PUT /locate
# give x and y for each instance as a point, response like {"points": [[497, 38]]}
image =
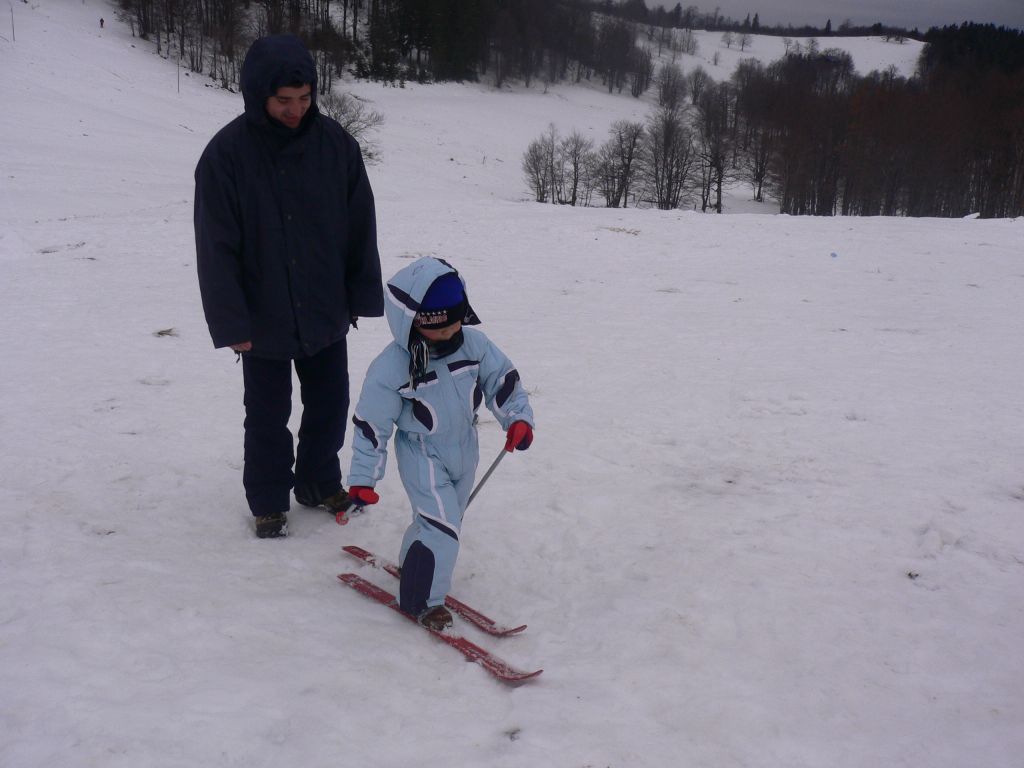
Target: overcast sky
{"points": [[902, 13]]}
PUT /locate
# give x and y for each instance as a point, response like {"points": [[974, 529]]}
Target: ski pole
{"points": [[487, 474], [342, 517]]}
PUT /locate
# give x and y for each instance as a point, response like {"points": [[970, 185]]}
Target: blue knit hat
{"points": [[444, 292], [444, 303]]}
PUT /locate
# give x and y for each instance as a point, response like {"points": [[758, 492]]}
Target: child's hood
{"points": [[407, 289]]}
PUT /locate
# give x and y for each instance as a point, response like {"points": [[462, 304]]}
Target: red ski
{"points": [[473, 652], [473, 616]]}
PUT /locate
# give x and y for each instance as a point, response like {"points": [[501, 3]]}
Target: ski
{"points": [[502, 670], [473, 616]]}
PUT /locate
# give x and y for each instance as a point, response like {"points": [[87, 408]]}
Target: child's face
{"points": [[441, 334]]}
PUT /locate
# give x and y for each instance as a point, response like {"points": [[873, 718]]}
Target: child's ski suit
{"points": [[436, 443]]}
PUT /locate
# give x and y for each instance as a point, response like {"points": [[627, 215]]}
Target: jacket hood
{"points": [[272, 62], [405, 292]]}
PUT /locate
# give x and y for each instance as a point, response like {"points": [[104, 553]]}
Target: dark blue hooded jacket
{"points": [[286, 234]]}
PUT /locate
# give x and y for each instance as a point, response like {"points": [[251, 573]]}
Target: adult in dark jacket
{"points": [[286, 242]]}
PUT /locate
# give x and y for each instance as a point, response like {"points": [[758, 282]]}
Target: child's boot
{"points": [[436, 618], [337, 502]]}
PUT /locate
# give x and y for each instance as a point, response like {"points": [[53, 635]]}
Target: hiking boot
{"points": [[272, 526], [338, 502], [436, 618]]}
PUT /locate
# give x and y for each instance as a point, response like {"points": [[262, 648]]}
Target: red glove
{"points": [[362, 495], [519, 436]]}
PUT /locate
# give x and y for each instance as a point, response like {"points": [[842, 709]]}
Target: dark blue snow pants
{"points": [[269, 456]]}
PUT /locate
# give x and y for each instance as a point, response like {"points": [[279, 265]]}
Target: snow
{"points": [[868, 53], [773, 516]]}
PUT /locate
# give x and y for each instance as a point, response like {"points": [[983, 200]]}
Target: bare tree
{"points": [[687, 43], [713, 142], [643, 71], [615, 45], [669, 153], [755, 100], [356, 118], [697, 80], [575, 152], [537, 167], [272, 17], [619, 162], [671, 86], [555, 172]]}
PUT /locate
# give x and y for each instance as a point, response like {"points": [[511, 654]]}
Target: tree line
{"points": [[692, 17], [402, 40], [809, 132], [438, 40], [805, 130]]}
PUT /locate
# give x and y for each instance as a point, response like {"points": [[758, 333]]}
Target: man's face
{"points": [[289, 104]]}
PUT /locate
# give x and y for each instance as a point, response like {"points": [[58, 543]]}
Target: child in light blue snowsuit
{"points": [[429, 384]]}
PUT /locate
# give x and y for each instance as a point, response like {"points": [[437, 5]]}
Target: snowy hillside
{"points": [[773, 516], [868, 53]]}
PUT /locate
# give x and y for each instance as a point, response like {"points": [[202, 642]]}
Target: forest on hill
{"points": [[805, 130]]}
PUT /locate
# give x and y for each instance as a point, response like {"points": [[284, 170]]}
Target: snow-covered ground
{"points": [[773, 516], [868, 53]]}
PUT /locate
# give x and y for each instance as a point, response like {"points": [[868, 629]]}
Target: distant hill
{"points": [[869, 54]]}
